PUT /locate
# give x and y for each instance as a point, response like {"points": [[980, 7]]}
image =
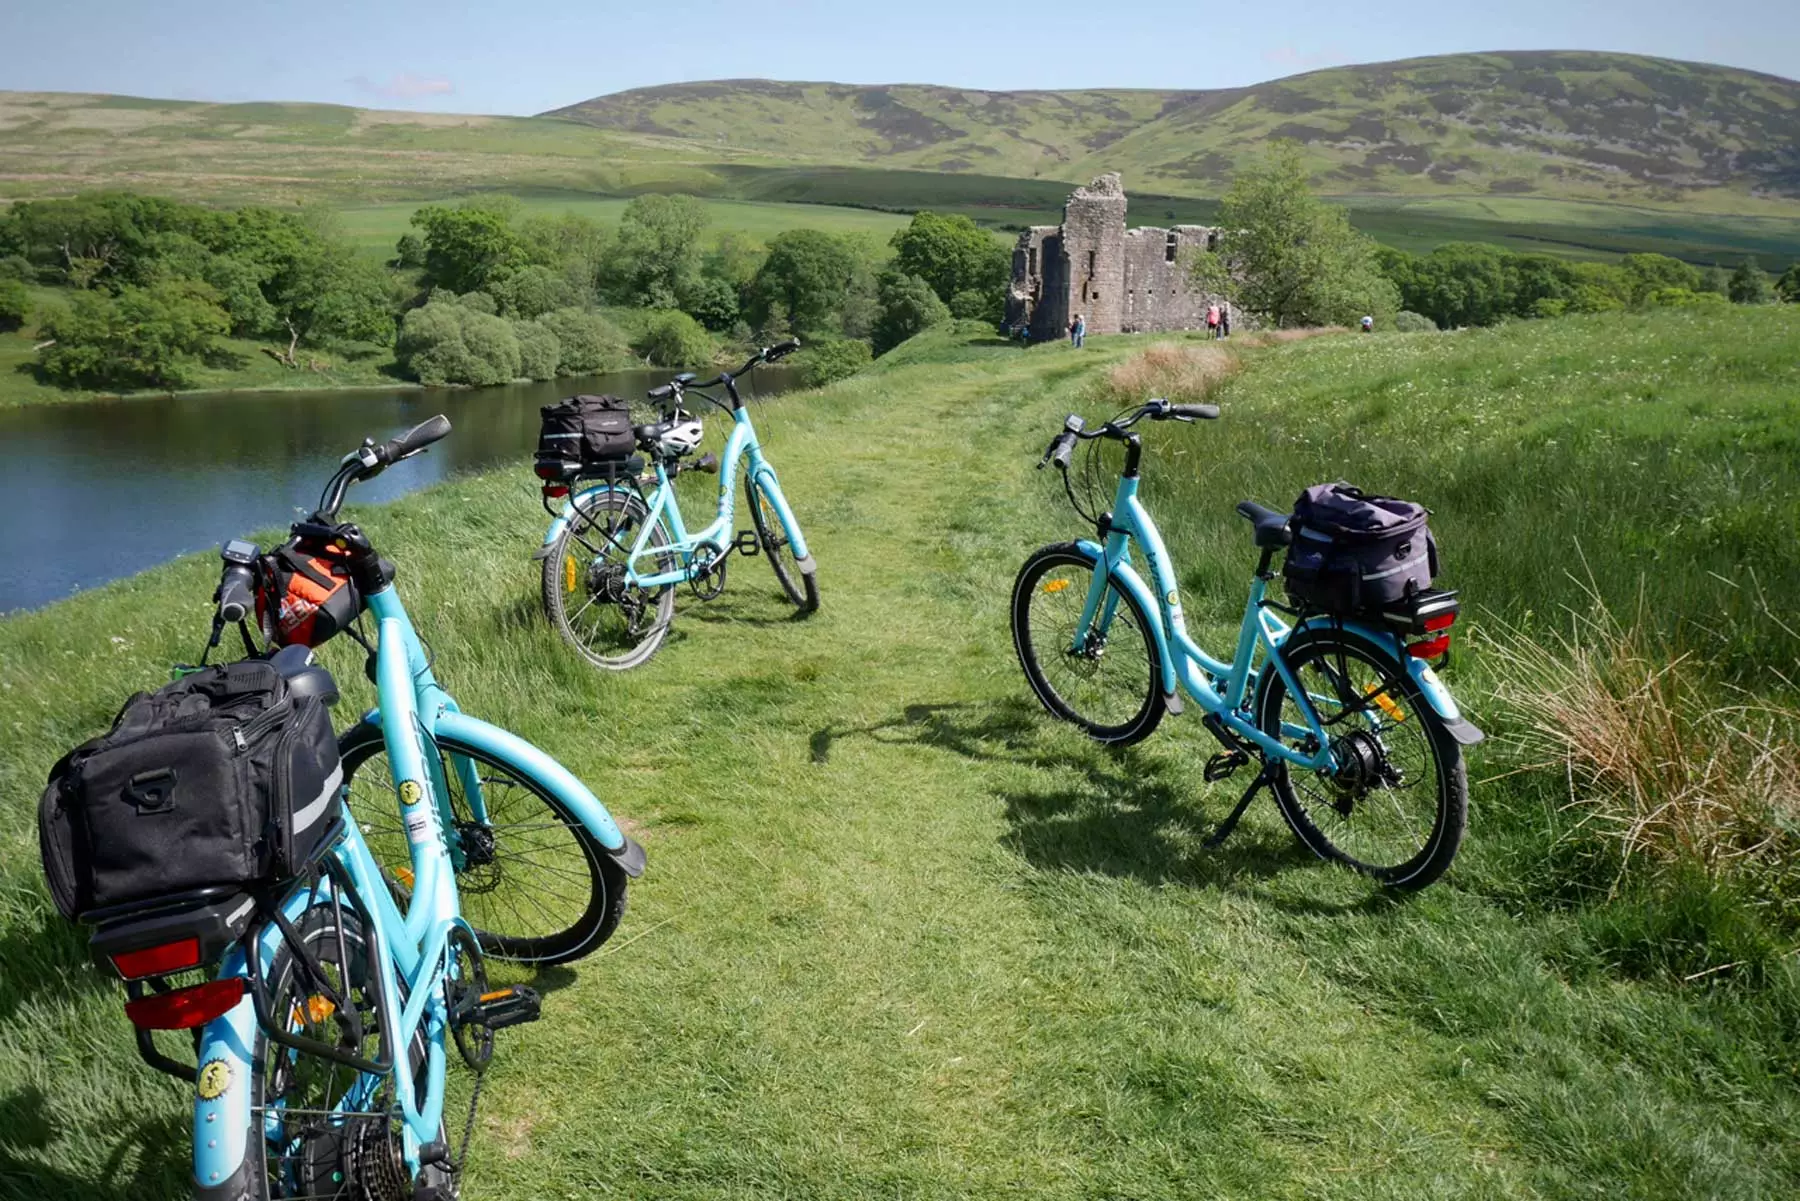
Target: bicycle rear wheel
{"points": [[612, 622], [535, 884], [1108, 682], [1396, 804], [801, 586], [319, 1128]]}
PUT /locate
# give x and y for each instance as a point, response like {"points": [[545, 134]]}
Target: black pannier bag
{"points": [[224, 778], [1355, 553], [584, 435]]}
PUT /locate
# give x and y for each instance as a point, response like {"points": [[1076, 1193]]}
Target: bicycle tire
{"points": [[602, 522], [1076, 569], [779, 551], [487, 889], [1320, 814]]}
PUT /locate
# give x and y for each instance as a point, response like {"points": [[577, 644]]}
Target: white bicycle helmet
{"points": [[681, 438]]}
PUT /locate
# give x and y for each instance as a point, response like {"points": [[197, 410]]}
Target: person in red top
{"points": [[1212, 319]]}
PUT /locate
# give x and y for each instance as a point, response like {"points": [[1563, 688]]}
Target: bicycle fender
{"points": [[225, 1064], [529, 761], [562, 519], [1433, 689], [1133, 583]]}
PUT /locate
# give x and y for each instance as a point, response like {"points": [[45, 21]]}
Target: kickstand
{"points": [[1264, 779]]}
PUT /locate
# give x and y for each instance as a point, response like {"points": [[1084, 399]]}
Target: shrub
{"points": [[833, 359], [714, 303], [588, 342], [971, 305], [539, 349], [1750, 284], [445, 343], [1681, 298], [478, 302], [15, 304], [409, 252], [907, 306], [674, 339], [144, 336], [17, 266], [1408, 322]]}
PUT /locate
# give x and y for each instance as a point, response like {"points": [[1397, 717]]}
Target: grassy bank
{"points": [[903, 936]]}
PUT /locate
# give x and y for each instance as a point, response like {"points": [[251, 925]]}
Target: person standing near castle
{"points": [[1077, 331], [1212, 319], [1225, 321]]}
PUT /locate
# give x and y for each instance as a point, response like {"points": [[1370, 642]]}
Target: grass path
{"points": [[901, 936]]}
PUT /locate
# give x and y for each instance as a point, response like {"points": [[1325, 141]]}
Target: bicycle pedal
{"points": [[747, 544], [1222, 765], [504, 1007]]}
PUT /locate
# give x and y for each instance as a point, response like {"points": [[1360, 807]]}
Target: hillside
{"points": [[1564, 124], [902, 935]]}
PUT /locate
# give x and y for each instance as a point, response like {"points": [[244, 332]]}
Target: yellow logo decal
{"points": [[1173, 599], [214, 1079], [410, 792], [1055, 585]]}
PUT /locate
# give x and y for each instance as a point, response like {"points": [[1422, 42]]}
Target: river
{"points": [[99, 490]]}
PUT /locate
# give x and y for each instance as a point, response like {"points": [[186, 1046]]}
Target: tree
{"points": [[952, 254], [1788, 286], [1649, 273], [979, 306], [144, 336], [324, 291], [571, 245], [468, 247], [1750, 284], [656, 260], [674, 339], [409, 252], [908, 306], [15, 304], [1287, 256], [714, 303], [588, 342], [539, 349], [1714, 279], [533, 291], [802, 283]]}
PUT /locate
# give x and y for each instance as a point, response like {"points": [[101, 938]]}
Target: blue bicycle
{"points": [[613, 557], [1353, 732], [325, 1033]]}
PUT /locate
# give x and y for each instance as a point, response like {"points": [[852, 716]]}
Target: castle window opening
{"points": [[1212, 240], [1090, 262], [1031, 255], [1169, 248]]}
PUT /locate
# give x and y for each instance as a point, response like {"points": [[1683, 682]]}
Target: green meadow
{"points": [[903, 936]]}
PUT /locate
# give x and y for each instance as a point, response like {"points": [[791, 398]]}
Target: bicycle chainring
{"points": [[710, 562], [475, 1040]]}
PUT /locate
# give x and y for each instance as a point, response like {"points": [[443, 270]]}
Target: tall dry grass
{"points": [[1172, 370], [1672, 769]]}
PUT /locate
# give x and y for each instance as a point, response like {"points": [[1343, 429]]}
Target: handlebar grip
{"points": [[413, 440], [1193, 412], [237, 592], [781, 350], [661, 393], [1059, 450]]}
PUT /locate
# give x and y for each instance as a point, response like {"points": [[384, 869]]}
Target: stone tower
{"points": [[1093, 245]]}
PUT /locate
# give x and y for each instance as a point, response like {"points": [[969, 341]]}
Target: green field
{"points": [[903, 936]]}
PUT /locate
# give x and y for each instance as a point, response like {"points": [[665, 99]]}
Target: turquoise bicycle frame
{"points": [[412, 949], [1218, 687], [742, 445]]}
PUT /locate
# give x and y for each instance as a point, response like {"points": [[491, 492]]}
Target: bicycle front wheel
{"points": [[612, 622], [1395, 803], [801, 586], [1105, 677], [535, 883]]}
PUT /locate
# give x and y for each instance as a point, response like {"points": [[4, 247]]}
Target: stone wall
{"points": [[1121, 281]]}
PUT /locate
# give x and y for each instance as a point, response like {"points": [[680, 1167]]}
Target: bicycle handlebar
{"points": [[237, 592], [413, 441], [371, 459], [1074, 429], [769, 354]]}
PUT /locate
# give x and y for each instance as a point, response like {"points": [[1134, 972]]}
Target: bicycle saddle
{"points": [[1271, 527]]}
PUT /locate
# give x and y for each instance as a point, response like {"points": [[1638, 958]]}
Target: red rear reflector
{"points": [[1430, 649], [174, 956], [554, 491], [186, 1008], [1442, 621]]}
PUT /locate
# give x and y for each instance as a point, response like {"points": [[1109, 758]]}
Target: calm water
{"points": [[93, 492]]}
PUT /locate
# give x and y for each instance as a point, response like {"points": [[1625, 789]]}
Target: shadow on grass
{"points": [[54, 953], [1121, 815], [161, 1147]]}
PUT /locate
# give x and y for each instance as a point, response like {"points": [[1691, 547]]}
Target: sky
{"points": [[527, 56]]}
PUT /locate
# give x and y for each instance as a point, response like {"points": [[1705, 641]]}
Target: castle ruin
{"points": [[1121, 280]]}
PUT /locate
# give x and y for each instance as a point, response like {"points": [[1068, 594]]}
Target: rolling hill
{"points": [[1573, 125]]}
